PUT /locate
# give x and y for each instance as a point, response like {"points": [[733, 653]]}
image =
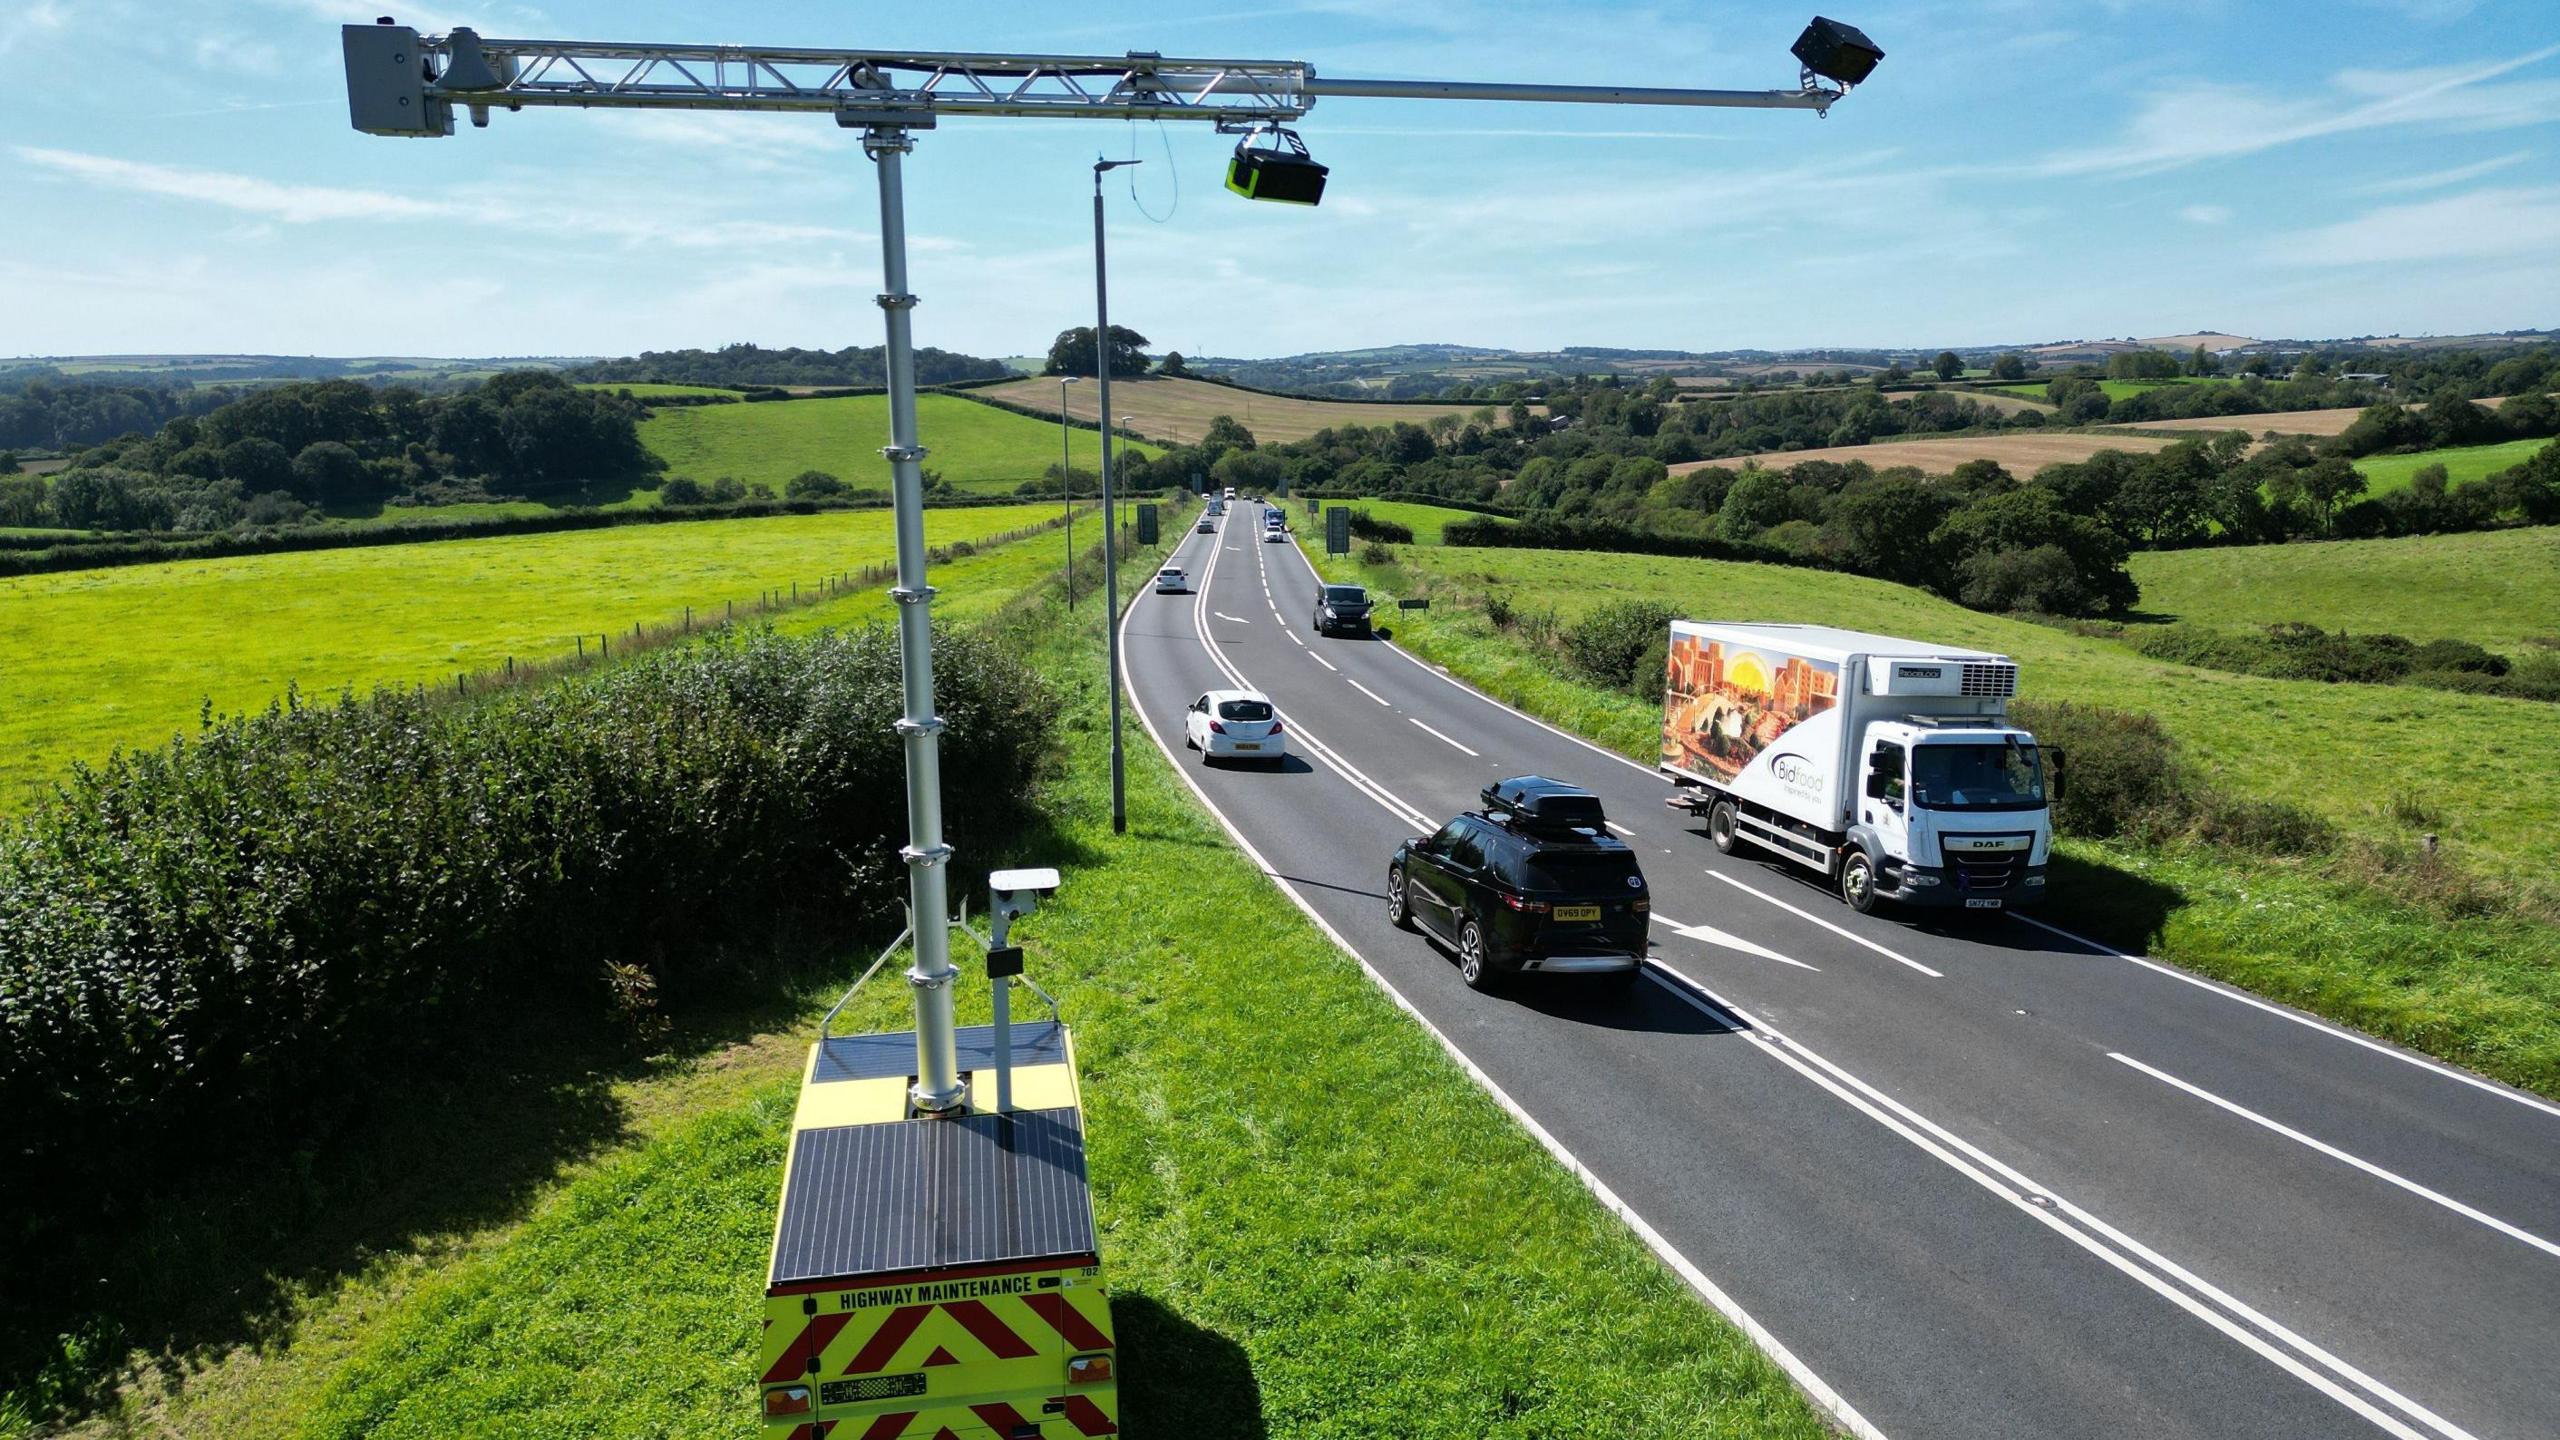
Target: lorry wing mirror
{"points": [[1879, 785], [2057, 774]]}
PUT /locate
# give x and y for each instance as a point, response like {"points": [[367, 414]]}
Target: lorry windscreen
{"points": [[1977, 777]]}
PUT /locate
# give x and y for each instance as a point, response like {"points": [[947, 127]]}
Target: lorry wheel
{"points": [[1399, 914], [1473, 965], [1858, 883], [1723, 830]]}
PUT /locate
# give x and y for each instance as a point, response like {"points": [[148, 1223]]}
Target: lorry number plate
{"points": [[870, 1387], [1577, 912], [1982, 904]]}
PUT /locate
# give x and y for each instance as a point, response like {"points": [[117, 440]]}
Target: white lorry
{"points": [[1886, 765]]}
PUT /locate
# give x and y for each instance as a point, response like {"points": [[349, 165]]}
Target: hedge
{"points": [[216, 947], [1574, 535]]}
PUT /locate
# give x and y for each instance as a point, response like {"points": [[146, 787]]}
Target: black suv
{"points": [[1342, 607], [1532, 882]]}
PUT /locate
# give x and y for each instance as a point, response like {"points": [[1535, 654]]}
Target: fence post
{"points": [[458, 686], [604, 646], [511, 667], [688, 619]]}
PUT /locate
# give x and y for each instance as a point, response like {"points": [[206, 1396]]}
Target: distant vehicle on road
{"points": [[1171, 581], [1888, 767], [1235, 725], [1230, 494], [1533, 882], [1206, 526], [1275, 526], [1342, 607]]}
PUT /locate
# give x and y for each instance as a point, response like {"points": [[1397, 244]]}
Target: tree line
{"points": [[275, 455], [745, 364]]}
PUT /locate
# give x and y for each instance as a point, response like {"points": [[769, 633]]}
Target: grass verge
{"points": [[979, 448], [2431, 971], [2497, 588], [1290, 1254]]}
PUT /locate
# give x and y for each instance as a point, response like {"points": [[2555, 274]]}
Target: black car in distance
{"points": [[1532, 883], [1342, 607]]}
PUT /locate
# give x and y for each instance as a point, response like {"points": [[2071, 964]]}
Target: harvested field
{"points": [[1180, 410], [2313, 424], [2021, 455], [2002, 400]]}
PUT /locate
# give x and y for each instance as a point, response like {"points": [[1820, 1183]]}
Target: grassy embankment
{"points": [[1286, 1258], [94, 659], [2381, 762], [1423, 520], [2498, 588], [2386, 473], [978, 448]]}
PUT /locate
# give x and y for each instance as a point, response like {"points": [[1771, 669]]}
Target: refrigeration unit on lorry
{"points": [[1887, 765]]}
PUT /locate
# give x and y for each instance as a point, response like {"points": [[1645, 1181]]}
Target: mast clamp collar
{"points": [[930, 725], [917, 595], [895, 302], [896, 453], [932, 855]]}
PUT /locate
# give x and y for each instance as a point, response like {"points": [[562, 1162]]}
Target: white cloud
{"points": [[2439, 179], [2187, 124], [2497, 221], [2205, 214], [26, 22], [642, 222]]}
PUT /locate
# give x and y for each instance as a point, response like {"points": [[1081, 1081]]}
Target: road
{"points": [[1979, 1179]]}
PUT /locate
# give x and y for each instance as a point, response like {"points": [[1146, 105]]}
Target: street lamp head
{"points": [[1836, 52], [1100, 164]]}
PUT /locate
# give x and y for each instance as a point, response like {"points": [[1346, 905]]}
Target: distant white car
{"points": [[1235, 725], [1171, 581], [1273, 532]]}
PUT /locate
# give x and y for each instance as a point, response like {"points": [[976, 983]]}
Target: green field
{"points": [[978, 448], [94, 659], [2386, 473], [2115, 389], [2496, 588], [1281, 1264], [651, 389], [1423, 520]]}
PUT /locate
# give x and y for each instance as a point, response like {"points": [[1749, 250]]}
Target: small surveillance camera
{"points": [[1037, 882]]}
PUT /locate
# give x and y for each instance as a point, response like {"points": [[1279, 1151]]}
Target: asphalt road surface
{"points": [[1965, 1179]]}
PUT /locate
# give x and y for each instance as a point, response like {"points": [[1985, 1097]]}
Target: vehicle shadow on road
{"points": [[1647, 1006], [1181, 1378]]}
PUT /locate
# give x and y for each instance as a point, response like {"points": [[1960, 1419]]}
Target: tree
{"points": [[1948, 365], [2009, 366], [1250, 471], [681, 490], [258, 464], [1172, 364], [22, 500], [2144, 364], [1757, 501], [9, 462], [815, 485], [1226, 433], [2203, 362], [327, 472], [2326, 483], [1882, 527], [2032, 519], [1072, 352]]}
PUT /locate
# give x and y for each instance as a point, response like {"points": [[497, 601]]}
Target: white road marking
{"points": [[2297, 1017], [1443, 739], [1329, 665], [1621, 829], [1294, 640], [2512, 1232], [1827, 925], [1713, 936], [1223, 615], [1878, 1106], [1365, 690]]}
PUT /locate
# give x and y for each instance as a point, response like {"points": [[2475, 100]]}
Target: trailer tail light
{"points": [[1089, 1370], [785, 1401], [1532, 907]]}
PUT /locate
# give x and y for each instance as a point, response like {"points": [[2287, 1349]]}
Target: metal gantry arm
{"points": [[402, 83]]}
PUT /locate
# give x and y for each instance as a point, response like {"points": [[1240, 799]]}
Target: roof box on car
{"points": [[1543, 802]]}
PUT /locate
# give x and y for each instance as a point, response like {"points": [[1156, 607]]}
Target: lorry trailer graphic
{"points": [[1726, 704]]}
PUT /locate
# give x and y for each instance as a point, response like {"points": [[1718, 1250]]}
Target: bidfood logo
{"points": [[1797, 773]]}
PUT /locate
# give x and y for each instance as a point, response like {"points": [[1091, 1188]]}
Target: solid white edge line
{"points": [[2017, 1191], [2513, 1232], [1781, 1046], [1847, 935], [1365, 690], [1814, 1386], [1614, 825], [2313, 1022], [1436, 735]]}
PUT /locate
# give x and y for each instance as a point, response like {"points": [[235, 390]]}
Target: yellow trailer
{"points": [[937, 1278]]}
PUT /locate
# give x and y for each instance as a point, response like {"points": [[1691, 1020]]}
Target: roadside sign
{"points": [[1337, 531], [1146, 524], [1422, 604]]}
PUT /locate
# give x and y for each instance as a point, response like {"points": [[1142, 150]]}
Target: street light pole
{"points": [[1110, 511], [1067, 485]]}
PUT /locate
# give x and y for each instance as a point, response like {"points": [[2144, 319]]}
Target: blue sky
{"points": [[182, 178]]}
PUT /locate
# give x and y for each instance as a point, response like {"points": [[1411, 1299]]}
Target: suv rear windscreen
{"points": [[1597, 873], [1248, 710]]}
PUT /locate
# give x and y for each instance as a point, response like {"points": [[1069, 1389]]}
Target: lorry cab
{"points": [[1947, 815]]}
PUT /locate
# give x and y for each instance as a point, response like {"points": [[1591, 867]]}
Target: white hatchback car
{"points": [[1235, 725], [1171, 581]]}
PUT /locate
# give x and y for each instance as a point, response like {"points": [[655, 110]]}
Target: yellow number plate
{"points": [[1577, 912]]}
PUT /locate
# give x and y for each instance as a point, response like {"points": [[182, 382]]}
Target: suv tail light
{"points": [[1533, 907]]}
